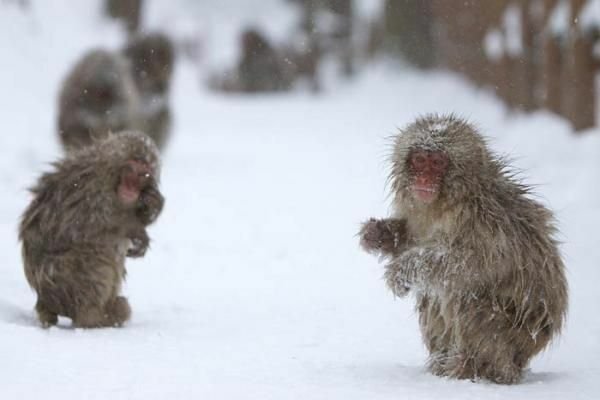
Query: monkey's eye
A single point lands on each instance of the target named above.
(419, 159)
(439, 161)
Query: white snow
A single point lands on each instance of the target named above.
(493, 44)
(589, 18)
(512, 24)
(505, 40)
(369, 8)
(255, 286)
(559, 19)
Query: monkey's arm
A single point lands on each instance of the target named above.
(433, 266)
(423, 267)
(386, 237)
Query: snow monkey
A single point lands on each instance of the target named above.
(262, 67)
(151, 61)
(476, 250)
(97, 96)
(86, 217)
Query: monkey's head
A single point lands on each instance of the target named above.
(152, 57)
(254, 43)
(438, 159)
(101, 82)
(129, 162)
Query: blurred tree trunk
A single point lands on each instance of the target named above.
(408, 31)
(344, 9)
(551, 65)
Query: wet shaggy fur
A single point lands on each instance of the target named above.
(98, 96)
(76, 233)
(151, 61)
(481, 260)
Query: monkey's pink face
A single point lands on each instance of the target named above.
(428, 169)
(134, 177)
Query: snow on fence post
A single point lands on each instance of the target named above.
(535, 53)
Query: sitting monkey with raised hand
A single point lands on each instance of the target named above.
(476, 250)
(86, 217)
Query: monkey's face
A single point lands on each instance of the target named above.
(135, 176)
(427, 169)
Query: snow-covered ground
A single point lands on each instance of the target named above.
(255, 287)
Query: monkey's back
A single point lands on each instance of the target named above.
(71, 260)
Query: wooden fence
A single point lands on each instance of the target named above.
(534, 53)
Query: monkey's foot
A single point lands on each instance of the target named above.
(452, 365)
(504, 375)
(459, 366)
(113, 314)
(46, 318)
(118, 311)
(437, 363)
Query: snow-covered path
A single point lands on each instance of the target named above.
(255, 287)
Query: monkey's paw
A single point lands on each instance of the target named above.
(376, 236)
(394, 281)
(152, 203)
(138, 248)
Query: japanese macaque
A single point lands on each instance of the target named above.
(98, 96)
(151, 58)
(262, 68)
(476, 250)
(86, 217)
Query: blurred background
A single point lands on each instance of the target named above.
(534, 54)
(279, 114)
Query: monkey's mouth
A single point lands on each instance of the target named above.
(425, 193)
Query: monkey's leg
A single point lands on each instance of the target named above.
(486, 344)
(113, 314)
(96, 295)
(46, 317)
(118, 311)
(91, 317)
(436, 335)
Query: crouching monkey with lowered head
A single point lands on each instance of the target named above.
(86, 217)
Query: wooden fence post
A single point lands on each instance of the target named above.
(581, 101)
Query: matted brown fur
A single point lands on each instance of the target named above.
(482, 259)
(76, 232)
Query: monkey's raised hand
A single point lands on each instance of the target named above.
(386, 236)
(151, 203)
(139, 243)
